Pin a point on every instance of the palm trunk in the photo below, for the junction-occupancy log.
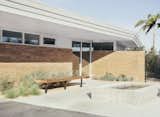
(154, 35)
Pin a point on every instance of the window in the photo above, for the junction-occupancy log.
(32, 39)
(103, 46)
(10, 36)
(49, 41)
(77, 44)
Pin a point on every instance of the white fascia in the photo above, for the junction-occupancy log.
(36, 10)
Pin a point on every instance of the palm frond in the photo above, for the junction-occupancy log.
(140, 22)
(150, 27)
(144, 27)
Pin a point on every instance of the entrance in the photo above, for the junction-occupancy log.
(83, 50)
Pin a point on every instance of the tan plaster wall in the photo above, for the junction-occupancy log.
(20, 69)
(129, 63)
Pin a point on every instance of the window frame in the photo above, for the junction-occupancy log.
(2, 35)
(45, 37)
(39, 40)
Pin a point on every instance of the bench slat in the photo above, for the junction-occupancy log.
(51, 80)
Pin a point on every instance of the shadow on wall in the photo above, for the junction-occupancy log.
(95, 56)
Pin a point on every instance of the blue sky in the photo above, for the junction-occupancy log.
(124, 13)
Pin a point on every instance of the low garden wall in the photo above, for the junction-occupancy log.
(20, 69)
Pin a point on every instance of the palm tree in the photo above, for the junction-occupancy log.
(150, 23)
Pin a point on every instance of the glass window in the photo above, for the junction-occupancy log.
(103, 46)
(10, 36)
(49, 41)
(77, 44)
(32, 39)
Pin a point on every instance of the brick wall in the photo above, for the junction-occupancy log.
(24, 53)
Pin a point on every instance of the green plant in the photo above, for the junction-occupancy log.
(11, 93)
(41, 75)
(111, 77)
(107, 77)
(26, 86)
(6, 82)
(122, 77)
(38, 75)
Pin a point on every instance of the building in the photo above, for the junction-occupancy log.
(36, 36)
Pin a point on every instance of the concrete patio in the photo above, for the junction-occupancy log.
(76, 99)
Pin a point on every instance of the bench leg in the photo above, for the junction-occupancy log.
(46, 88)
(65, 85)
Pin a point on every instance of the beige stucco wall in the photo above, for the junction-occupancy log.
(129, 63)
(20, 69)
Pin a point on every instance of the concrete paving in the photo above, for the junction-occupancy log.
(76, 99)
(14, 109)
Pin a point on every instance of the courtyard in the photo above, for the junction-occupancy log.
(76, 99)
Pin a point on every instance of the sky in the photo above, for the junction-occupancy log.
(123, 13)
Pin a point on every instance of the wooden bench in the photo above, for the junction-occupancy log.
(64, 81)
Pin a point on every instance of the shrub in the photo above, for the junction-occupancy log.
(41, 75)
(108, 77)
(6, 82)
(34, 90)
(122, 77)
(37, 75)
(26, 85)
(11, 93)
(111, 77)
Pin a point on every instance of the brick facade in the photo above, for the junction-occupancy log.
(26, 53)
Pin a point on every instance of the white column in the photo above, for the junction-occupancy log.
(23, 38)
(0, 35)
(41, 40)
(90, 61)
(80, 61)
(115, 45)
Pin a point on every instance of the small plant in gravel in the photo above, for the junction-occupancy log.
(111, 77)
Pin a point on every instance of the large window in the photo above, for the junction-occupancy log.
(49, 41)
(11, 36)
(103, 46)
(32, 39)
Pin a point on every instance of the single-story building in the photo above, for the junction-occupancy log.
(34, 36)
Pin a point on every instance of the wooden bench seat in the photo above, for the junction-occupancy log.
(48, 81)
